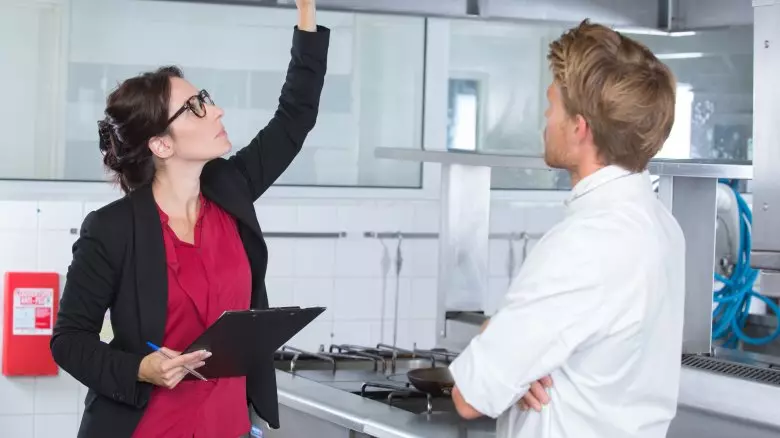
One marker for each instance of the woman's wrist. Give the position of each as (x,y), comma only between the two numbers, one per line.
(142,375)
(307,17)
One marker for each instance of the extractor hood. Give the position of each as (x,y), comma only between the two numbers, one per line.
(463,8)
(638,13)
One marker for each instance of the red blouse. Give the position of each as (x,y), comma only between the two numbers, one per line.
(204,279)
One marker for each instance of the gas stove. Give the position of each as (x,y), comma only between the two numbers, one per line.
(377,373)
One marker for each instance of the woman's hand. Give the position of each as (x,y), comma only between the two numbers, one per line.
(307,17)
(161,371)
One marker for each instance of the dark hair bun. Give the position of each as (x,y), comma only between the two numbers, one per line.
(135,112)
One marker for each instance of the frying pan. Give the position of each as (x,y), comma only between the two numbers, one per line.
(434,381)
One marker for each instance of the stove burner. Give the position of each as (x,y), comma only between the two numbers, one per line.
(357,351)
(396,353)
(380,385)
(379,355)
(377,373)
(299,353)
(332,357)
(404,391)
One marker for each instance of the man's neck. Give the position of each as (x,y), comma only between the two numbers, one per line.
(583,171)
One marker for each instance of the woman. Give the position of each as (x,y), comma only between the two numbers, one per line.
(180,248)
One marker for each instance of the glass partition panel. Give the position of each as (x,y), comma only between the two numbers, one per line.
(498,80)
(30,73)
(714,72)
(503,68)
(372,97)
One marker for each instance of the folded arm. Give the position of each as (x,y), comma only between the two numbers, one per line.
(551,310)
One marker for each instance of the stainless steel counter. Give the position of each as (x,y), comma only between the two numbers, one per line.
(718,406)
(351,412)
(739,384)
(711,403)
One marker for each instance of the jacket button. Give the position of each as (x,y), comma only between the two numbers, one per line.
(118,397)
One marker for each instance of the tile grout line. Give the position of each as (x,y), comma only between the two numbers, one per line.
(35,393)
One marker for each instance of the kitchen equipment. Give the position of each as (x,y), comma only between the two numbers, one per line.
(435,381)
(377,373)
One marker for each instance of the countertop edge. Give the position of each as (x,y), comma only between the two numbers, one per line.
(731,396)
(359,414)
(701,390)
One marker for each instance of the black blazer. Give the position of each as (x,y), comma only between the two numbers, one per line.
(119,261)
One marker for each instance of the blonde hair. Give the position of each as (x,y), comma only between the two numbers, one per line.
(619,87)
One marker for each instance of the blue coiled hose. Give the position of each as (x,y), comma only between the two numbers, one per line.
(733,299)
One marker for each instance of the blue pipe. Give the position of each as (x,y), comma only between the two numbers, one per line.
(733,299)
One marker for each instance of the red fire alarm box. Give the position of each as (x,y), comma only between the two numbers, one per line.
(30,307)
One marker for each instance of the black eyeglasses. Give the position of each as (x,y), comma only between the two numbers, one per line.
(196,104)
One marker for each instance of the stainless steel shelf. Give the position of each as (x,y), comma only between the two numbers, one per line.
(303,235)
(702,169)
(467,158)
(412,235)
(399,234)
(516,236)
(687,168)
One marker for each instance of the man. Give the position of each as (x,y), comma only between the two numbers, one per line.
(598,304)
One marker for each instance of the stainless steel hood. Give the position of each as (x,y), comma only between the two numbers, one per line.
(637,13)
(463,8)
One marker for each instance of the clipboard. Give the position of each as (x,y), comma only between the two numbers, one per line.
(239,340)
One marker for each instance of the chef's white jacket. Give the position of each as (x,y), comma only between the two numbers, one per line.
(598,305)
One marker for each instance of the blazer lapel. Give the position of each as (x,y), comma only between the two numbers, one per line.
(231,196)
(151,275)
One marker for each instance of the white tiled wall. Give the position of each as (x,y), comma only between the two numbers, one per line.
(346,275)
(37,236)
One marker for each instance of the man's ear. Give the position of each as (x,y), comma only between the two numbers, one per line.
(581,128)
(160,147)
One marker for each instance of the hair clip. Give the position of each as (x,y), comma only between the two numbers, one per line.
(104,131)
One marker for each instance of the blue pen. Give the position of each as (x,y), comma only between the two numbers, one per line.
(189,370)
